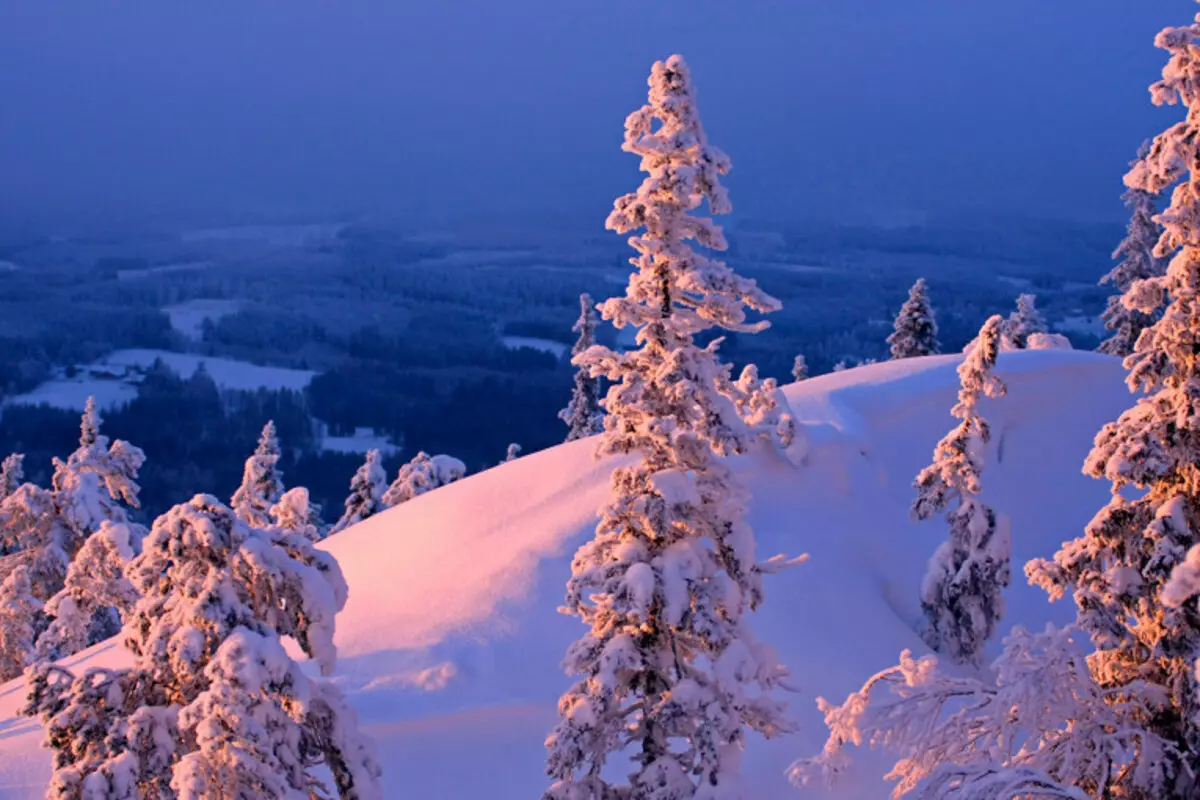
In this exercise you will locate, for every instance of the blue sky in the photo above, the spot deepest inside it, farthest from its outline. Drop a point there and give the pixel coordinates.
(477, 108)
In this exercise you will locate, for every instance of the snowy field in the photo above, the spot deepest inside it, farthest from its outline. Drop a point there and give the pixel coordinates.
(361, 441)
(183, 266)
(556, 349)
(72, 393)
(189, 316)
(450, 644)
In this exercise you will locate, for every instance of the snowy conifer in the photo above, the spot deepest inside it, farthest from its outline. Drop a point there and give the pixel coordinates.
(513, 452)
(96, 595)
(11, 474)
(961, 593)
(423, 474)
(295, 514)
(583, 414)
(799, 369)
(1044, 729)
(97, 480)
(366, 493)
(35, 535)
(915, 330)
(1023, 322)
(758, 404)
(262, 481)
(18, 615)
(1136, 262)
(669, 672)
(211, 696)
(842, 365)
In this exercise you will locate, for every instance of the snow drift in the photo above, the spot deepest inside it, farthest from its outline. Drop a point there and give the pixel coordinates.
(450, 643)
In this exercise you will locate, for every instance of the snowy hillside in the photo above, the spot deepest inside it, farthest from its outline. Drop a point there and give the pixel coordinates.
(450, 643)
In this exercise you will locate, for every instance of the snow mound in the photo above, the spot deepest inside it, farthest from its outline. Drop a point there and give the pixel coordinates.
(450, 644)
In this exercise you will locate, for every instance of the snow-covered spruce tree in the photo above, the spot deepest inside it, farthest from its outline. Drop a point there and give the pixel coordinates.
(18, 616)
(211, 706)
(33, 533)
(757, 402)
(1024, 321)
(366, 493)
(1136, 262)
(1043, 730)
(1118, 570)
(1184, 585)
(96, 481)
(295, 514)
(96, 595)
(800, 369)
(961, 593)
(262, 481)
(423, 474)
(915, 330)
(513, 452)
(583, 414)
(669, 672)
(12, 474)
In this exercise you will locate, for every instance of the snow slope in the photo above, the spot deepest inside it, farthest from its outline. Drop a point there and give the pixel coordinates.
(450, 643)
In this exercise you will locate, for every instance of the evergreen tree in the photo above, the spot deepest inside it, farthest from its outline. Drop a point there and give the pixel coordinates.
(96, 595)
(669, 668)
(583, 414)
(916, 329)
(1136, 262)
(18, 615)
(12, 474)
(1024, 321)
(295, 514)
(961, 593)
(262, 481)
(423, 474)
(366, 493)
(800, 369)
(513, 452)
(211, 706)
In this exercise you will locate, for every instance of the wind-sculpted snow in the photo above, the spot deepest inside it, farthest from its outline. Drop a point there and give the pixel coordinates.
(450, 645)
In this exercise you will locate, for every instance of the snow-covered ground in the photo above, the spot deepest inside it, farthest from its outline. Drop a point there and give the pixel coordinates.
(450, 644)
(71, 394)
(550, 346)
(188, 317)
(113, 379)
(182, 266)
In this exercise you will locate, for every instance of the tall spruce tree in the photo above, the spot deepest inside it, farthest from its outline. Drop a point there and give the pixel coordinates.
(669, 672)
(1136, 262)
(915, 330)
(961, 593)
(262, 481)
(366, 493)
(583, 414)
(18, 618)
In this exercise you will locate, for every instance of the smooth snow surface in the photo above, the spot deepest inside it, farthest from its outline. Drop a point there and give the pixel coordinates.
(450, 643)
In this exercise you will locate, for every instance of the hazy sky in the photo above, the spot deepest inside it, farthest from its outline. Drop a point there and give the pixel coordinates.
(493, 107)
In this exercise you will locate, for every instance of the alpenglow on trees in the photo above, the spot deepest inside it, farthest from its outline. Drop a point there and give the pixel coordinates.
(961, 593)
(1024, 322)
(669, 673)
(583, 414)
(915, 330)
(1137, 262)
(366, 493)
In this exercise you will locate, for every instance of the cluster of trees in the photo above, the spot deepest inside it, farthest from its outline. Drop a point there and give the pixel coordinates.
(1108, 706)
